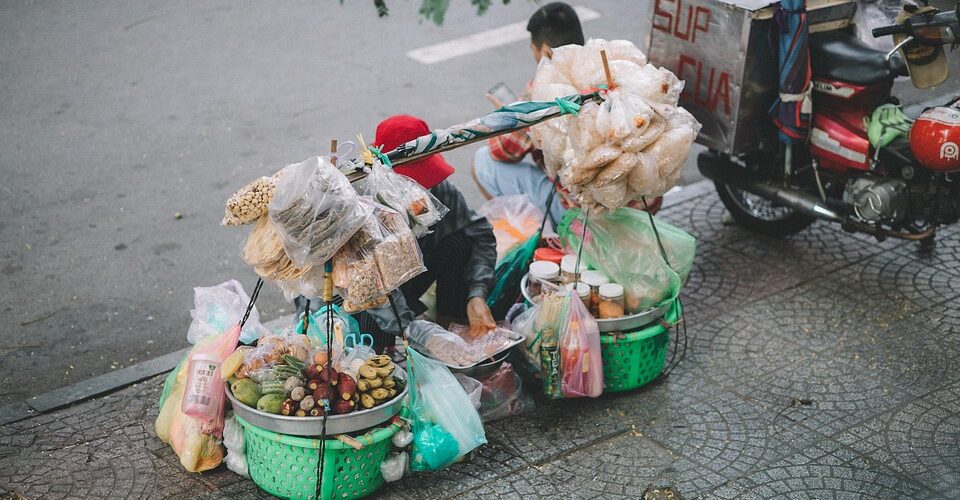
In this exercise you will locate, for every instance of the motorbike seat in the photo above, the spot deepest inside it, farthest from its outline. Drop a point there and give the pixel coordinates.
(838, 55)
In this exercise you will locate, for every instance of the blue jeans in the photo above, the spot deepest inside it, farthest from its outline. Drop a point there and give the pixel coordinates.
(499, 178)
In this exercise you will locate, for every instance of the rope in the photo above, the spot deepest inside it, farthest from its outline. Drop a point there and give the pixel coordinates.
(253, 300)
(567, 107)
(322, 448)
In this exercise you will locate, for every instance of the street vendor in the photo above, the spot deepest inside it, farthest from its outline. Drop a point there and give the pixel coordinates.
(511, 164)
(459, 253)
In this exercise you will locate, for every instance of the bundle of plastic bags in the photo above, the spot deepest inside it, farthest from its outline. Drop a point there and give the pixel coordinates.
(630, 145)
(647, 278)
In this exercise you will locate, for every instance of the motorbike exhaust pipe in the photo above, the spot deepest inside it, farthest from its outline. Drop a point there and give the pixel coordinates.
(718, 169)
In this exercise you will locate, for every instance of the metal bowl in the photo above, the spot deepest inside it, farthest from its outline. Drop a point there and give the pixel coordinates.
(312, 426)
(484, 368)
(628, 323)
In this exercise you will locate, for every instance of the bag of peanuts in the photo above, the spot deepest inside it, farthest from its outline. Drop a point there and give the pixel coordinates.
(250, 202)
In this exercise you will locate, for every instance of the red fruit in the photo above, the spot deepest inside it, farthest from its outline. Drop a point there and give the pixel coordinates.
(314, 384)
(289, 407)
(346, 385)
(322, 392)
(343, 406)
(312, 371)
(329, 374)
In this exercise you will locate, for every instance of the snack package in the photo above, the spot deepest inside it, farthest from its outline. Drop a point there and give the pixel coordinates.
(580, 352)
(250, 202)
(547, 329)
(587, 151)
(502, 395)
(446, 426)
(455, 346)
(405, 196)
(264, 252)
(315, 211)
(647, 279)
(514, 220)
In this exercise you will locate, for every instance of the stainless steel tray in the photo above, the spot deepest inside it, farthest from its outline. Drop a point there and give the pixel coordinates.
(485, 367)
(515, 338)
(311, 426)
(627, 323)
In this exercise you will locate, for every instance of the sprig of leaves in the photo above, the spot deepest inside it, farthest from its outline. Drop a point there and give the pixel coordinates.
(435, 10)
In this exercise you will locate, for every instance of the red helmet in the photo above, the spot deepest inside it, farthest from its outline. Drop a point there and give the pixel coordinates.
(935, 138)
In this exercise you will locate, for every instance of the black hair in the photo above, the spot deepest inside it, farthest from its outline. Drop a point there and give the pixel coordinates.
(555, 24)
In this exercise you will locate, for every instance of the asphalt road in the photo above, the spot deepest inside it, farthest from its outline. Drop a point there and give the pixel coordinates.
(115, 116)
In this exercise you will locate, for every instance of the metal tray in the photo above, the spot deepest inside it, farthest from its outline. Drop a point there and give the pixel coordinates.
(484, 367)
(515, 338)
(627, 323)
(311, 426)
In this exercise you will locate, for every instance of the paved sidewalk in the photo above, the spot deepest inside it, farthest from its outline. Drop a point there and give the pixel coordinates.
(826, 365)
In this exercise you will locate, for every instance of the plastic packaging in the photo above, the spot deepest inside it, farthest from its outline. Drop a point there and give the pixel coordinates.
(264, 252)
(236, 458)
(646, 277)
(394, 466)
(608, 154)
(472, 387)
(514, 220)
(217, 308)
(524, 325)
(405, 196)
(250, 202)
(503, 395)
(353, 360)
(541, 271)
(203, 395)
(581, 289)
(874, 14)
(446, 426)
(451, 346)
(315, 211)
(547, 330)
(580, 353)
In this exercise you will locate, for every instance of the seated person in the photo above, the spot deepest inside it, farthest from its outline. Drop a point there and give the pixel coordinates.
(501, 168)
(459, 254)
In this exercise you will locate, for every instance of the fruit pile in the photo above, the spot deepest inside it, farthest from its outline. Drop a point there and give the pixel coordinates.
(302, 385)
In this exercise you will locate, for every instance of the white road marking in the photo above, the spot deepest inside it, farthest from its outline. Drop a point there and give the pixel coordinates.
(484, 40)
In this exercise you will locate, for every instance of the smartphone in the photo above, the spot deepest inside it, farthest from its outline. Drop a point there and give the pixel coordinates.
(502, 93)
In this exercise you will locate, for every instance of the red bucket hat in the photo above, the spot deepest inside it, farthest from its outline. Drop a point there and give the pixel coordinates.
(399, 129)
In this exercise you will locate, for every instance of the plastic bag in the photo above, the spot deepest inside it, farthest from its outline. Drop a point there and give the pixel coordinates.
(216, 308)
(250, 202)
(874, 14)
(198, 450)
(646, 278)
(236, 458)
(446, 426)
(547, 328)
(394, 466)
(514, 220)
(472, 387)
(502, 395)
(405, 196)
(353, 360)
(451, 346)
(580, 353)
(264, 252)
(315, 211)
(524, 325)
(203, 396)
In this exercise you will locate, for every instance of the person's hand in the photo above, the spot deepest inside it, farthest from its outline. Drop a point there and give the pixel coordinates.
(497, 103)
(480, 317)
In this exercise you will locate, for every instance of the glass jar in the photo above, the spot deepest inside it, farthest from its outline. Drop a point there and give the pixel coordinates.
(583, 291)
(541, 270)
(611, 301)
(569, 271)
(594, 279)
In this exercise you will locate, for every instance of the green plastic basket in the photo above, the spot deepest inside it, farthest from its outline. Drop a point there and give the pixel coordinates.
(634, 359)
(286, 466)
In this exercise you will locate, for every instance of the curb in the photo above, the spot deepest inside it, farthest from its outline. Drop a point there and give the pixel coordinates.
(81, 391)
(118, 379)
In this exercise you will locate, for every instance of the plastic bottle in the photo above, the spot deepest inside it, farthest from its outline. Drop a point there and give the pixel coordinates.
(595, 279)
(569, 271)
(541, 270)
(611, 301)
(200, 399)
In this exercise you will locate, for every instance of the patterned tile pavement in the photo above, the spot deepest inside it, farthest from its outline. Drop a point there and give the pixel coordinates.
(819, 366)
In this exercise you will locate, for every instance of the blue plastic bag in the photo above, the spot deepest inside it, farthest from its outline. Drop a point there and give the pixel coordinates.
(446, 426)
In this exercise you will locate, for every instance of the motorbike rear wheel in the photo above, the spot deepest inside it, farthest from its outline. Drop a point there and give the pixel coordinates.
(761, 215)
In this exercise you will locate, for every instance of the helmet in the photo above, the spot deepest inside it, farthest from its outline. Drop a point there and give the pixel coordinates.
(935, 138)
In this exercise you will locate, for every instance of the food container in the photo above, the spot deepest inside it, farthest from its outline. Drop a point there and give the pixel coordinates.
(594, 279)
(548, 254)
(611, 301)
(627, 323)
(721, 49)
(583, 291)
(542, 270)
(569, 271)
(485, 367)
(311, 426)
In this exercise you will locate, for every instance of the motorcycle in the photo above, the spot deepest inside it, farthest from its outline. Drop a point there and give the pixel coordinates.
(905, 187)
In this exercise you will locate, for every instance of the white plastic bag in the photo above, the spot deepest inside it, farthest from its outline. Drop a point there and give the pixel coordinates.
(394, 466)
(472, 387)
(217, 308)
(236, 458)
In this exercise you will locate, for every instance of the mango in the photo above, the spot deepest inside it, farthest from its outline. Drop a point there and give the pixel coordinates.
(271, 403)
(246, 391)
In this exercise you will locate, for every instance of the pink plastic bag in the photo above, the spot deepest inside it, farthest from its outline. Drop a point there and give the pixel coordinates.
(203, 395)
(580, 359)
